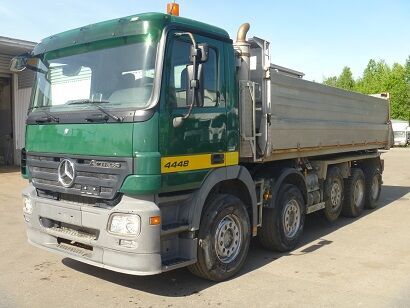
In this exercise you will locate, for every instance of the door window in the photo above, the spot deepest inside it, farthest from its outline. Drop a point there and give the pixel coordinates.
(178, 80)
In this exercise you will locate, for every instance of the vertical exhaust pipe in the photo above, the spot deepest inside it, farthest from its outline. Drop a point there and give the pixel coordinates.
(242, 31)
(242, 48)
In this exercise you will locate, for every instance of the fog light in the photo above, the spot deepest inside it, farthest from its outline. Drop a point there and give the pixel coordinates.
(125, 224)
(28, 206)
(128, 243)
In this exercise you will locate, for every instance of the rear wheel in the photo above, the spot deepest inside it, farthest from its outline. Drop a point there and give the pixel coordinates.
(334, 194)
(282, 225)
(223, 240)
(373, 179)
(355, 194)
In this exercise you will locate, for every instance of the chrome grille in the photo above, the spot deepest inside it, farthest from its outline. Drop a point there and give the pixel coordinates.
(90, 181)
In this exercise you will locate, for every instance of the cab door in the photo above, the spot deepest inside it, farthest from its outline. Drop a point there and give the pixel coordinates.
(199, 144)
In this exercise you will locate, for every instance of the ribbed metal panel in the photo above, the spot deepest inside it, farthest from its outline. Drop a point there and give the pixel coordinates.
(20, 114)
(310, 119)
(57, 77)
(26, 79)
(5, 63)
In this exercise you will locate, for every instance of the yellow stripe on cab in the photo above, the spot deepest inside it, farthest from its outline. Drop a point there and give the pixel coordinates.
(199, 161)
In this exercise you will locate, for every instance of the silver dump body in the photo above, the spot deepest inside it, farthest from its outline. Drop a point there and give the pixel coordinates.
(284, 116)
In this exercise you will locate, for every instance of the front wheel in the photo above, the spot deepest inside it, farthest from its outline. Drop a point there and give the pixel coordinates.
(223, 241)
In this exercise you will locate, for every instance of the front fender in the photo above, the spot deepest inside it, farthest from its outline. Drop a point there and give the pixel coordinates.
(213, 178)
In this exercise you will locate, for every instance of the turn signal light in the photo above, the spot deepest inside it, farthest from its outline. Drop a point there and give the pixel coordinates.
(155, 220)
(267, 195)
(173, 9)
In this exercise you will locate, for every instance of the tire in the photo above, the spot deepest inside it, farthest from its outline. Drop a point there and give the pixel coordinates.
(373, 178)
(223, 239)
(274, 235)
(355, 194)
(334, 194)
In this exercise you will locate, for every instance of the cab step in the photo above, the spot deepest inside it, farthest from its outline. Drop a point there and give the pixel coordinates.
(174, 228)
(174, 263)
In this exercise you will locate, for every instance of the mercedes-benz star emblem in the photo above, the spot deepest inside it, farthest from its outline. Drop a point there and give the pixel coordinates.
(66, 173)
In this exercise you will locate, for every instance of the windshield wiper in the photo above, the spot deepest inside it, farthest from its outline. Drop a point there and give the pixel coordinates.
(112, 116)
(48, 118)
(97, 105)
(85, 101)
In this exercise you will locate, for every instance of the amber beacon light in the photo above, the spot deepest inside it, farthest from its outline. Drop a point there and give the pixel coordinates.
(173, 8)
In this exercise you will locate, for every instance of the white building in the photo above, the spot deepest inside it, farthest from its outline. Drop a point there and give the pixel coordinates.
(15, 91)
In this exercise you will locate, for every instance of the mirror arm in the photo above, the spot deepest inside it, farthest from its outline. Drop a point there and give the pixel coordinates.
(36, 69)
(191, 36)
(178, 120)
(195, 78)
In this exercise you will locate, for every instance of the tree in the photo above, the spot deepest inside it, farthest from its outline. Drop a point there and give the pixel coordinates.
(407, 70)
(407, 78)
(379, 77)
(397, 86)
(345, 80)
(330, 81)
(374, 78)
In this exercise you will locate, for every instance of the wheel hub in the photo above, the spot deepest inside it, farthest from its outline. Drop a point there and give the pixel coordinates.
(291, 218)
(335, 195)
(375, 187)
(358, 193)
(228, 238)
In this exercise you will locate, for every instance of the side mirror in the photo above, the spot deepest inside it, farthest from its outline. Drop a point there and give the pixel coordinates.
(18, 63)
(194, 91)
(201, 53)
(195, 88)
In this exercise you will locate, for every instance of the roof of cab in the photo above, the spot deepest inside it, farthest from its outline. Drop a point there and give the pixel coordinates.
(120, 27)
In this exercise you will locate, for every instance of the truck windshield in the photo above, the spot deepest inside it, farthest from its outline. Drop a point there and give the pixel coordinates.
(121, 77)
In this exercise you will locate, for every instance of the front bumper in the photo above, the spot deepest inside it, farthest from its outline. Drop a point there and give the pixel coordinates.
(84, 236)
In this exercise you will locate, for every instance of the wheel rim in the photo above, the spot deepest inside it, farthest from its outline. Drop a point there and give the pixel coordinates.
(375, 187)
(358, 193)
(335, 195)
(291, 218)
(228, 238)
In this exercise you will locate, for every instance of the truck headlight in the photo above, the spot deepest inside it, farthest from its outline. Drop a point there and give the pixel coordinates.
(28, 206)
(125, 224)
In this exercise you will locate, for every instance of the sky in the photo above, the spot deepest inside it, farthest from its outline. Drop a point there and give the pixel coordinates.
(316, 37)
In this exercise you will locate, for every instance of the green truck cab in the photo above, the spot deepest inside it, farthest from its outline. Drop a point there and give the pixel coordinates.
(150, 145)
(101, 141)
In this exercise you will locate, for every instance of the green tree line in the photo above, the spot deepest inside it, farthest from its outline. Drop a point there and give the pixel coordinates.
(379, 77)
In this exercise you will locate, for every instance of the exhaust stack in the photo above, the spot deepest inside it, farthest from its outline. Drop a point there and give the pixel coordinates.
(242, 47)
(242, 31)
